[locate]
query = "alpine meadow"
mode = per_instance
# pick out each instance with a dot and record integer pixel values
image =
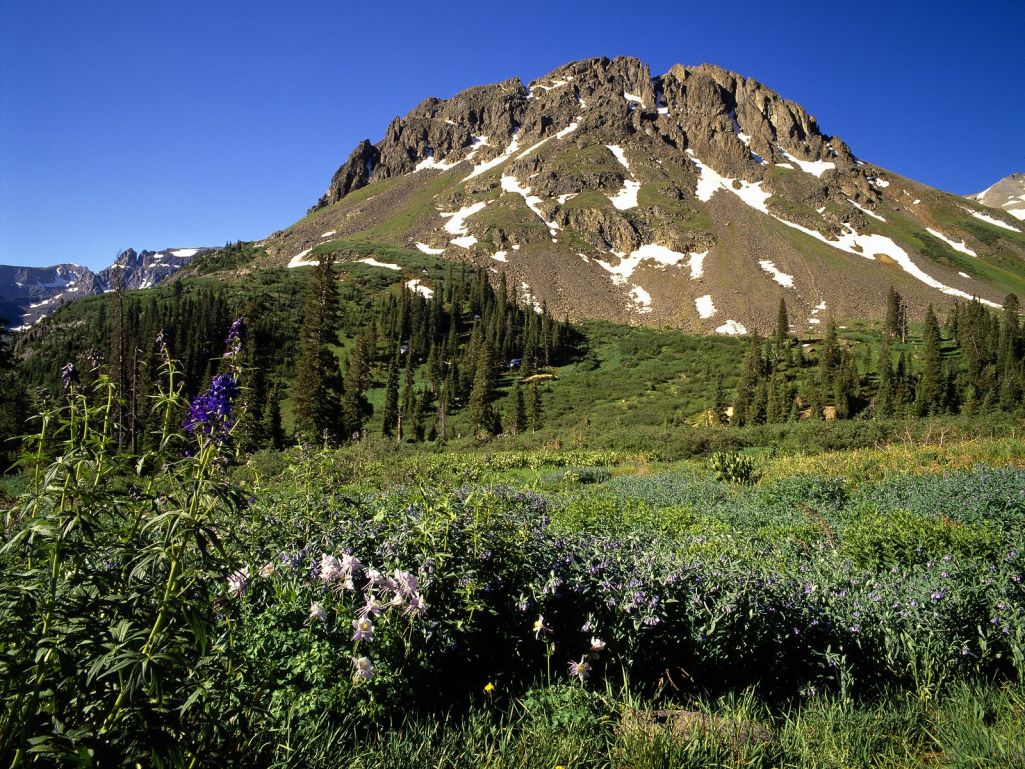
(617, 419)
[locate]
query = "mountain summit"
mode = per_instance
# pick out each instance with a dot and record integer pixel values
(696, 198)
(1008, 194)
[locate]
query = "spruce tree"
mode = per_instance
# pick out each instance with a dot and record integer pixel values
(316, 380)
(517, 410)
(482, 416)
(535, 408)
(782, 336)
(929, 396)
(390, 416)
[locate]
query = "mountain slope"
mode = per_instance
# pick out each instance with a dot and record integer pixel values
(695, 199)
(1008, 195)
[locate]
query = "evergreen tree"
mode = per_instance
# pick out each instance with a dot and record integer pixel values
(929, 395)
(390, 417)
(482, 416)
(517, 410)
(355, 407)
(782, 336)
(883, 405)
(316, 380)
(719, 402)
(13, 404)
(535, 408)
(746, 404)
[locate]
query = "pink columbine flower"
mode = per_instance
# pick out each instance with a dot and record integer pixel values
(364, 668)
(238, 580)
(317, 611)
(580, 669)
(362, 629)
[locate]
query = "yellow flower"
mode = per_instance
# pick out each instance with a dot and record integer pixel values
(490, 687)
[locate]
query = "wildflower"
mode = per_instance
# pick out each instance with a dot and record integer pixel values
(407, 583)
(580, 669)
(416, 605)
(364, 668)
(317, 611)
(330, 568)
(69, 377)
(372, 607)
(267, 569)
(489, 687)
(210, 414)
(373, 579)
(363, 629)
(161, 342)
(597, 645)
(236, 338)
(540, 626)
(238, 580)
(350, 563)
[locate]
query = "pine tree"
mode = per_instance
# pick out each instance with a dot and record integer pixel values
(390, 417)
(13, 404)
(883, 405)
(316, 380)
(782, 336)
(745, 404)
(482, 416)
(355, 408)
(719, 402)
(535, 408)
(929, 396)
(517, 410)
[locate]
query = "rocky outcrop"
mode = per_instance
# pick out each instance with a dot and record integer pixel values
(1008, 195)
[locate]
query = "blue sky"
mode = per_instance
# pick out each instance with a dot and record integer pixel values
(185, 123)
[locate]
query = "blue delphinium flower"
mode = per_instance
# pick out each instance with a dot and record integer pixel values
(211, 413)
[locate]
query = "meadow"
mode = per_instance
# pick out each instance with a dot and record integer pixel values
(369, 606)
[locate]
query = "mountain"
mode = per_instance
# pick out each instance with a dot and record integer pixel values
(1007, 194)
(28, 294)
(696, 198)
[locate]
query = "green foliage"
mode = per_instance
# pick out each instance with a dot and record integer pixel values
(732, 468)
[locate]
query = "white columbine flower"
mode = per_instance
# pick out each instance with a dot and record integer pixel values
(364, 668)
(580, 669)
(362, 629)
(317, 611)
(238, 580)
(597, 645)
(330, 568)
(540, 626)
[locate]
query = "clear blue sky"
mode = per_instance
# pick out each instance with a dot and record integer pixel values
(158, 124)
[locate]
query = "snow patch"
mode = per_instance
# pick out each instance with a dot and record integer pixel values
(632, 97)
(564, 198)
(641, 300)
(864, 210)
(709, 182)
(430, 163)
(511, 184)
(456, 225)
(327, 234)
(428, 250)
(731, 328)
(787, 281)
(663, 256)
(374, 263)
(697, 264)
(299, 260)
(626, 198)
(500, 256)
(965, 275)
(813, 167)
(957, 246)
(705, 306)
(991, 220)
(419, 288)
(185, 252)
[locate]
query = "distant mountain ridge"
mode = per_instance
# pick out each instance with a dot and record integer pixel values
(28, 294)
(696, 198)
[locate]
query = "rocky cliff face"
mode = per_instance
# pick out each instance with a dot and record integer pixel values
(696, 198)
(1008, 195)
(28, 294)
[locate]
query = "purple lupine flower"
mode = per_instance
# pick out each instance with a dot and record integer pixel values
(211, 413)
(362, 629)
